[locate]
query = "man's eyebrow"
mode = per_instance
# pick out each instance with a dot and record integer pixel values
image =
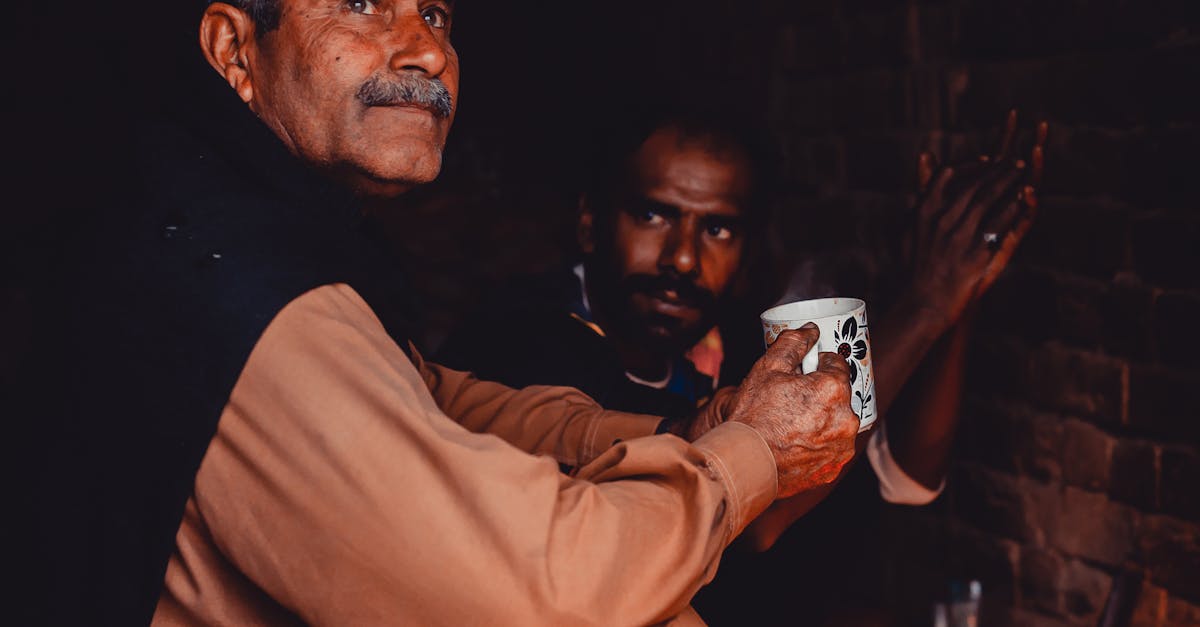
(724, 219)
(643, 204)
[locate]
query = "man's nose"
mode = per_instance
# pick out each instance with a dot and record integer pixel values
(416, 47)
(680, 251)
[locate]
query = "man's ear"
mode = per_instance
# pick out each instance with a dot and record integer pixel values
(227, 39)
(584, 229)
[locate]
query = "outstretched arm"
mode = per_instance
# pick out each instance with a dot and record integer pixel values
(971, 220)
(929, 329)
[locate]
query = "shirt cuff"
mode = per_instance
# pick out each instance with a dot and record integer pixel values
(895, 486)
(612, 427)
(740, 457)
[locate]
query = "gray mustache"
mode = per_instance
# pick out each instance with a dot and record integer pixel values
(407, 89)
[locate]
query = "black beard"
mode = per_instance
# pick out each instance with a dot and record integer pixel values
(614, 304)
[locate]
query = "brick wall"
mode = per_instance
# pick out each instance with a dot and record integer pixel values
(1078, 458)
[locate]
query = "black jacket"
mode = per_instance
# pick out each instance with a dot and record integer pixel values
(144, 330)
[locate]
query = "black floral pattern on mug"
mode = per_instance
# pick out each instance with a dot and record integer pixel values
(851, 344)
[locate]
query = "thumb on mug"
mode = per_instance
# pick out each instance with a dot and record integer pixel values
(788, 351)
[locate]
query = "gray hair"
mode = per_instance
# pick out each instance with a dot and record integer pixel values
(265, 13)
(382, 90)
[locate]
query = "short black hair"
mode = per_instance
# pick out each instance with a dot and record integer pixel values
(608, 170)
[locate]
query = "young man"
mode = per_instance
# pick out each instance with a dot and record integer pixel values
(668, 232)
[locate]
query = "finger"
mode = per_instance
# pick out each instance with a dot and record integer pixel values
(989, 197)
(1010, 131)
(1043, 129)
(1029, 196)
(937, 192)
(834, 364)
(1015, 220)
(789, 349)
(952, 216)
(926, 166)
(1038, 159)
(1006, 250)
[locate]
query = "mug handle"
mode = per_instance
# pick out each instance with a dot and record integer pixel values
(808, 365)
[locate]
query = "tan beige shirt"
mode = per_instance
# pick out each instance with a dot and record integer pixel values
(346, 486)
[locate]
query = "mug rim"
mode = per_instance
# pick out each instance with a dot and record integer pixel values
(852, 304)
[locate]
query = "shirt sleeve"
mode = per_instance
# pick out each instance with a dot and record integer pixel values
(895, 486)
(338, 487)
(561, 422)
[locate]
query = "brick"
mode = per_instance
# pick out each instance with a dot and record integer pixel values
(876, 39)
(1134, 474)
(1164, 178)
(1156, 76)
(1110, 316)
(991, 561)
(1084, 384)
(1041, 580)
(1159, 405)
(1040, 448)
(1176, 333)
(1088, 525)
(1087, 455)
(927, 103)
(1098, 165)
(1180, 613)
(803, 105)
(1151, 607)
(1165, 252)
(815, 162)
(1005, 308)
(998, 503)
(1085, 590)
(1067, 86)
(882, 162)
(938, 27)
(1105, 26)
(1014, 617)
(1171, 549)
(802, 12)
(1086, 237)
(1180, 486)
(872, 100)
(996, 367)
(1127, 306)
(1091, 162)
(916, 543)
(990, 433)
(1078, 314)
(813, 46)
(1011, 29)
(1011, 439)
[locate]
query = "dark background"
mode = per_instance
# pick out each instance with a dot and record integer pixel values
(1078, 458)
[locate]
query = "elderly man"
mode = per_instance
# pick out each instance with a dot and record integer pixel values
(249, 438)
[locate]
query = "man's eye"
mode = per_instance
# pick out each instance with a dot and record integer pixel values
(720, 232)
(365, 7)
(647, 216)
(436, 17)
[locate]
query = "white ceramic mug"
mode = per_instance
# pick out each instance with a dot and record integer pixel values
(844, 330)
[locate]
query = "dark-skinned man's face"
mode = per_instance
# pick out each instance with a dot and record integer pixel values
(307, 82)
(671, 245)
